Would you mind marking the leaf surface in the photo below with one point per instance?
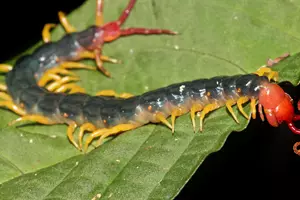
(215, 38)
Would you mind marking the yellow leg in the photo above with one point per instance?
(253, 108)
(240, 102)
(262, 70)
(159, 117)
(100, 63)
(229, 105)
(261, 114)
(52, 75)
(273, 76)
(13, 107)
(65, 23)
(71, 128)
(70, 86)
(34, 118)
(91, 55)
(266, 71)
(114, 94)
(195, 108)
(57, 84)
(175, 113)
(85, 127)
(3, 87)
(108, 59)
(75, 65)
(5, 96)
(48, 77)
(46, 32)
(106, 132)
(208, 108)
(99, 13)
(5, 68)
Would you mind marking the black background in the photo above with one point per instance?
(254, 163)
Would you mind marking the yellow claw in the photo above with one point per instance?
(46, 32)
(106, 132)
(208, 108)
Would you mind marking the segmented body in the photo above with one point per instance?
(106, 112)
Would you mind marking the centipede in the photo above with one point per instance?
(39, 88)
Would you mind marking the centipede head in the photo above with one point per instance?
(111, 31)
(278, 106)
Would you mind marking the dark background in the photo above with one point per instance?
(258, 162)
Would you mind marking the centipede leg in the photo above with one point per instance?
(13, 107)
(253, 108)
(240, 103)
(272, 75)
(75, 65)
(5, 68)
(229, 105)
(175, 113)
(99, 62)
(99, 13)
(91, 55)
(161, 118)
(53, 75)
(46, 32)
(71, 128)
(85, 127)
(261, 114)
(145, 31)
(195, 108)
(208, 108)
(34, 118)
(53, 86)
(65, 23)
(114, 94)
(70, 86)
(106, 132)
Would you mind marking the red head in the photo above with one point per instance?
(111, 31)
(278, 105)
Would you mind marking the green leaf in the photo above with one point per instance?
(216, 38)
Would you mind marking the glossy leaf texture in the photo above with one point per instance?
(215, 38)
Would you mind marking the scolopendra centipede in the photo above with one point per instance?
(30, 95)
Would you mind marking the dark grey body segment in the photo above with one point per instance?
(105, 112)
